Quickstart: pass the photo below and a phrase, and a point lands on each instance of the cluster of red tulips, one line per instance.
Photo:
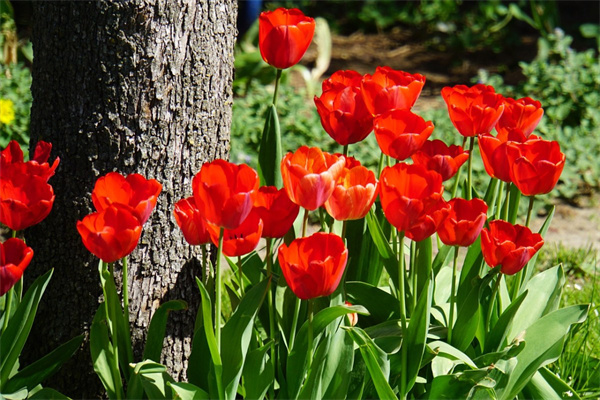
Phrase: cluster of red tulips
(26, 198)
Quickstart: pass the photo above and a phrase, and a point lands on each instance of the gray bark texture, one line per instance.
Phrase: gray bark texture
(130, 86)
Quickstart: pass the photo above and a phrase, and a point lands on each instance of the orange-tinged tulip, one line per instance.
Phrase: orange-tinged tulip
(388, 89)
(313, 266)
(110, 234)
(14, 258)
(523, 114)
(408, 193)
(354, 194)
(135, 191)
(511, 246)
(400, 133)
(342, 109)
(535, 165)
(25, 200)
(438, 156)
(352, 318)
(11, 159)
(241, 240)
(224, 192)
(473, 110)
(191, 222)
(276, 210)
(464, 222)
(309, 176)
(284, 36)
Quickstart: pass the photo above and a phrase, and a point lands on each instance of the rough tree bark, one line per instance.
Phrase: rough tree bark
(137, 86)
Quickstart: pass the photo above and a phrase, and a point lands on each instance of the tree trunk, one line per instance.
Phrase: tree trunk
(136, 86)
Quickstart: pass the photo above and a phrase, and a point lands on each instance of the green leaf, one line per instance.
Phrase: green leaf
(187, 391)
(529, 268)
(443, 349)
(210, 338)
(544, 295)
(544, 343)
(546, 385)
(440, 258)
(382, 306)
(423, 265)
(270, 153)
(236, 336)
(376, 361)
(154, 378)
(296, 362)
(390, 261)
(18, 395)
(14, 337)
(258, 374)
(35, 373)
(119, 331)
(48, 394)
(467, 319)
(416, 333)
(158, 327)
(338, 366)
(103, 355)
(496, 338)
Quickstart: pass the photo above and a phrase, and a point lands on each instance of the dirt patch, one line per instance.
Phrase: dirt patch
(574, 227)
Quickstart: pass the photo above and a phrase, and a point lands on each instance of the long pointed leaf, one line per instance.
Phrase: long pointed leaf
(270, 153)
(210, 338)
(158, 327)
(35, 373)
(14, 337)
(416, 333)
(103, 356)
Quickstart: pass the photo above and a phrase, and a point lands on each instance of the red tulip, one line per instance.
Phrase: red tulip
(276, 210)
(511, 246)
(388, 89)
(135, 191)
(309, 176)
(494, 152)
(354, 194)
(313, 266)
(241, 240)
(400, 133)
(342, 79)
(284, 36)
(110, 234)
(473, 110)
(224, 192)
(12, 158)
(14, 258)
(25, 200)
(523, 114)
(191, 222)
(464, 222)
(409, 193)
(342, 109)
(429, 222)
(439, 157)
(536, 165)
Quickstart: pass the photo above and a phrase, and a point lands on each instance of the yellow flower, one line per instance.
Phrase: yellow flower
(7, 111)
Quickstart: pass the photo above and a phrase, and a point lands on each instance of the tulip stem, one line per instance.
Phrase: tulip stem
(380, 165)
(271, 313)
(506, 203)
(401, 296)
(304, 222)
(276, 91)
(218, 284)
(498, 211)
(413, 274)
(345, 150)
(14, 233)
(452, 295)
(125, 294)
(529, 210)
(470, 168)
(310, 334)
(205, 268)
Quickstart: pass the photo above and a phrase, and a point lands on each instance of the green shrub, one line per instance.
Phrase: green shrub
(15, 83)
